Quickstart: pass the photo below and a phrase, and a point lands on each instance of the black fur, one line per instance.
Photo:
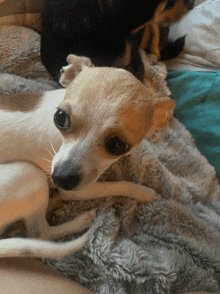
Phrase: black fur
(88, 28)
(172, 50)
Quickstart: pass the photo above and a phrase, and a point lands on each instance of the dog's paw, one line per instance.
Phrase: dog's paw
(85, 219)
(145, 194)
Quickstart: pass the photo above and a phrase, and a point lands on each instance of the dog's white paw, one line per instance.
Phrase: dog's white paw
(85, 219)
(145, 194)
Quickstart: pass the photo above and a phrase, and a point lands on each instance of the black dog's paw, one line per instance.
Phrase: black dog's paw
(173, 49)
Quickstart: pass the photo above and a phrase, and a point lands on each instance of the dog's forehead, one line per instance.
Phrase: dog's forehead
(102, 85)
(108, 101)
(97, 78)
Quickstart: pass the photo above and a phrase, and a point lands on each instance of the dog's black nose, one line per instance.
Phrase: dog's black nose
(64, 180)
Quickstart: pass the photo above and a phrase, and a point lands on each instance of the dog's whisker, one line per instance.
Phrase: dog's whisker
(48, 151)
(53, 148)
(45, 159)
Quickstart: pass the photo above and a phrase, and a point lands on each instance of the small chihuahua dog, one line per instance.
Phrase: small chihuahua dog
(102, 115)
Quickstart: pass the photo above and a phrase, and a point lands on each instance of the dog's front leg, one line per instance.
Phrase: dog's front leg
(24, 195)
(78, 224)
(105, 189)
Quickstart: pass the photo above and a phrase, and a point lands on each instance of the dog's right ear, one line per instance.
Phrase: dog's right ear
(76, 65)
(163, 112)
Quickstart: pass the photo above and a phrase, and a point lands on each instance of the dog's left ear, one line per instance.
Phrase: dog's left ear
(162, 114)
(76, 65)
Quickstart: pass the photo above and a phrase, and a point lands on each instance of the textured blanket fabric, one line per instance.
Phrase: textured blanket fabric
(21, 69)
(168, 246)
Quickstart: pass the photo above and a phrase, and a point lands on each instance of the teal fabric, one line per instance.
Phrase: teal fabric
(198, 107)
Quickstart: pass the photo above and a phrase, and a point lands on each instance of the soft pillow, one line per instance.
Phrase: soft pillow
(21, 12)
(198, 107)
(21, 68)
(202, 29)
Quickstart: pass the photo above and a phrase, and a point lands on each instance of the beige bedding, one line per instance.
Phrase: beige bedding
(21, 13)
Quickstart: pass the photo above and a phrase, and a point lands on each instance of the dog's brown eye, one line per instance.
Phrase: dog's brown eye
(116, 146)
(61, 120)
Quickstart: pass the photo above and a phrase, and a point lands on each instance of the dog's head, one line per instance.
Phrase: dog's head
(105, 115)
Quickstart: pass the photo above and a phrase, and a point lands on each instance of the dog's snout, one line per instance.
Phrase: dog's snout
(64, 180)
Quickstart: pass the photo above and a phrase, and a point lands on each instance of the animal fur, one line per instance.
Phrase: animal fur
(108, 32)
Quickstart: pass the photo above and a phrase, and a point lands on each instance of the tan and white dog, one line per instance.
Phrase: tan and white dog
(102, 115)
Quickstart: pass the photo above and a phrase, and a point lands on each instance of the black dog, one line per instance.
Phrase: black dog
(109, 32)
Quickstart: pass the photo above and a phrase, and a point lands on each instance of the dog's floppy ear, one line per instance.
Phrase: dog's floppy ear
(76, 65)
(163, 112)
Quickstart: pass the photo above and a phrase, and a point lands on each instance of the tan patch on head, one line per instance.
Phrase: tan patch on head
(23, 102)
(118, 101)
(113, 101)
(136, 123)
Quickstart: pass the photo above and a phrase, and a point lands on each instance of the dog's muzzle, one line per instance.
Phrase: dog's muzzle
(64, 180)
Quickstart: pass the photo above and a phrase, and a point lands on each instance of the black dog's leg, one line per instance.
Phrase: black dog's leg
(173, 49)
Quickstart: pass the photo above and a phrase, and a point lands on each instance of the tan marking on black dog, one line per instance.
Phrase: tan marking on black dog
(124, 59)
(162, 17)
(171, 15)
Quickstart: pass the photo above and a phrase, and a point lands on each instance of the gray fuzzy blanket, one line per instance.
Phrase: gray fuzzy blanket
(21, 69)
(168, 246)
